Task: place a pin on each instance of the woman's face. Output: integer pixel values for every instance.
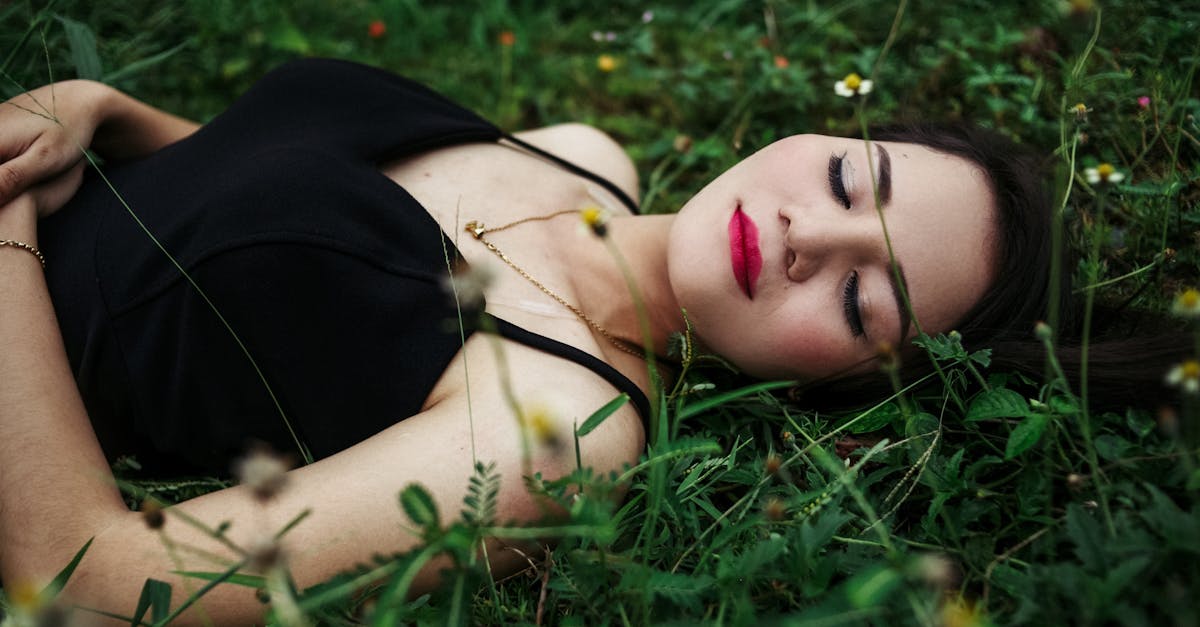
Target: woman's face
(782, 264)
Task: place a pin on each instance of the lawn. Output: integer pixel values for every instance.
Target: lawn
(984, 497)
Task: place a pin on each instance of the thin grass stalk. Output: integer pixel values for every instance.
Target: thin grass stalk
(1085, 421)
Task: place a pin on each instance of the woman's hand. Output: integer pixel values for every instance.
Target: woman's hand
(42, 137)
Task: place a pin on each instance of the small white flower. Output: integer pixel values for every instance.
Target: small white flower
(1187, 304)
(852, 85)
(647, 17)
(1185, 376)
(1103, 173)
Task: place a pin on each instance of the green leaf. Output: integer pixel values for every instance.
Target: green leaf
(419, 506)
(1025, 435)
(1089, 539)
(285, 36)
(1193, 482)
(875, 418)
(753, 560)
(872, 587)
(721, 399)
(142, 64)
(1112, 447)
(156, 597)
(997, 403)
(249, 581)
(82, 42)
(601, 414)
(920, 424)
(1064, 405)
(56, 585)
(681, 589)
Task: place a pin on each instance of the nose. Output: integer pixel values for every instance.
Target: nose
(814, 240)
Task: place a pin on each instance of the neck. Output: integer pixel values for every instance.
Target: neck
(603, 289)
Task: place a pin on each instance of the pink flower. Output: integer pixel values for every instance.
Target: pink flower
(1144, 102)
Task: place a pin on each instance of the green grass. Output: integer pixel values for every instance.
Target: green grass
(1032, 512)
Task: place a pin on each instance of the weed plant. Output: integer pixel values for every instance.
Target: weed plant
(1016, 504)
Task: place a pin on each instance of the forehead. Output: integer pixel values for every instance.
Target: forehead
(942, 224)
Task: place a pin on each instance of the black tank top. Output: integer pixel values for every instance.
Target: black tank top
(330, 273)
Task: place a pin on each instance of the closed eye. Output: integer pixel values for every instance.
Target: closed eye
(836, 184)
(850, 306)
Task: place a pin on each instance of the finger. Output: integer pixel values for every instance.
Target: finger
(51, 195)
(13, 180)
(37, 163)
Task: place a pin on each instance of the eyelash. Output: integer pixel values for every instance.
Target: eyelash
(836, 184)
(850, 306)
(850, 292)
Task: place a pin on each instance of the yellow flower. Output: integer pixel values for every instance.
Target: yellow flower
(596, 219)
(25, 596)
(958, 612)
(1187, 304)
(1103, 173)
(1185, 376)
(540, 423)
(852, 85)
(1080, 110)
(606, 63)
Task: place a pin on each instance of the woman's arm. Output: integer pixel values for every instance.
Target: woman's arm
(42, 131)
(56, 491)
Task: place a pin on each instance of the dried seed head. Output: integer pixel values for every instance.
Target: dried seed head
(152, 514)
(936, 570)
(774, 509)
(772, 464)
(264, 472)
(889, 357)
(264, 553)
(1168, 421)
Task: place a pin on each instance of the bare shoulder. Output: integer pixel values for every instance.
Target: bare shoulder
(587, 147)
(545, 396)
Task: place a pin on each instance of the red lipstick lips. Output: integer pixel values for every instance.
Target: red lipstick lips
(743, 251)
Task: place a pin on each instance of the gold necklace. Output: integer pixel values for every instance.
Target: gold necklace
(477, 230)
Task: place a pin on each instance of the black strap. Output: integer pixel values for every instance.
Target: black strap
(587, 174)
(554, 347)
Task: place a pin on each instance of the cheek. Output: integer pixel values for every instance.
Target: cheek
(792, 349)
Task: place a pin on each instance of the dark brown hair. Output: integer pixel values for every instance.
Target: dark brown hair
(1122, 370)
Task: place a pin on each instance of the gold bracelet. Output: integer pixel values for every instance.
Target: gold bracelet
(36, 253)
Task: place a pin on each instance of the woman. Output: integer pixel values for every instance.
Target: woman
(319, 214)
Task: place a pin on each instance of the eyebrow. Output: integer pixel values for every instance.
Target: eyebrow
(899, 289)
(884, 183)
